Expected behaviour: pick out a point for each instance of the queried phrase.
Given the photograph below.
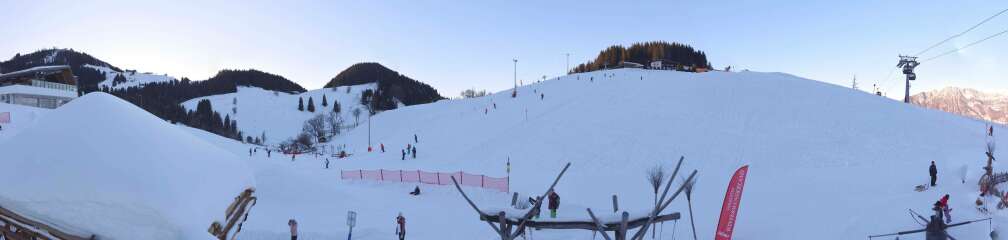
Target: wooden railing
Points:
(235, 215)
(14, 226)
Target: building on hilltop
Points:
(43, 86)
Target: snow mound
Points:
(106, 167)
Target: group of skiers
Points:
(256, 150)
(400, 229)
(941, 206)
(410, 148)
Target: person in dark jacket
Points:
(403, 154)
(414, 152)
(934, 173)
(416, 191)
(554, 203)
(401, 230)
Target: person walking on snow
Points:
(415, 139)
(250, 152)
(943, 207)
(327, 163)
(293, 228)
(401, 229)
(554, 203)
(414, 152)
(382, 147)
(934, 173)
(403, 154)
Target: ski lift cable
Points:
(966, 46)
(961, 33)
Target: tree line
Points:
(644, 53)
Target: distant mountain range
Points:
(162, 95)
(968, 102)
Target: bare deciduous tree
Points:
(315, 127)
(335, 123)
(655, 175)
(356, 116)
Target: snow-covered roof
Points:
(24, 89)
(121, 174)
(34, 70)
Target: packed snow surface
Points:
(826, 162)
(103, 166)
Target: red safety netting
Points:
(436, 178)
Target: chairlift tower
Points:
(908, 64)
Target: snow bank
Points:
(22, 117)
(104, 166)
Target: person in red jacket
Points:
(401, 230)
(942, 207)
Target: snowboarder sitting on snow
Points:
(401, 230)
(416, 191)
(934, 173)
(554, 203)
(293, 228)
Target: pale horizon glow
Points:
(459, 45)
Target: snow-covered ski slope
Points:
(275, 113)
(826, 162)
(133, 78)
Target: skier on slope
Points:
(382, 147)
(414, 152)
(415, 139)
(554, 204)
(401, 229)
(933, 170)
(403, 154)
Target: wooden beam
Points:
(482, 215)
(585, 225)
(528, 215)
(598, 225)
(622, 232)
(640, 233)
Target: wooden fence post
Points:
(514, 199)
(615, 204)
(381, 175)
(360, 172)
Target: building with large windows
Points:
(43, 86)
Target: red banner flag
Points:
(5, 117)
(726, 224)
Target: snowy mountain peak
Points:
(990, 106)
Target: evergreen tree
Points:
(324, 102)
(300, 104)
(311, 105)
(336, 107)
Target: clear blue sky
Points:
(454, 45)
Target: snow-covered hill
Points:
(990, 106)
(825, 162)
(121, 174)
(275, 114)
